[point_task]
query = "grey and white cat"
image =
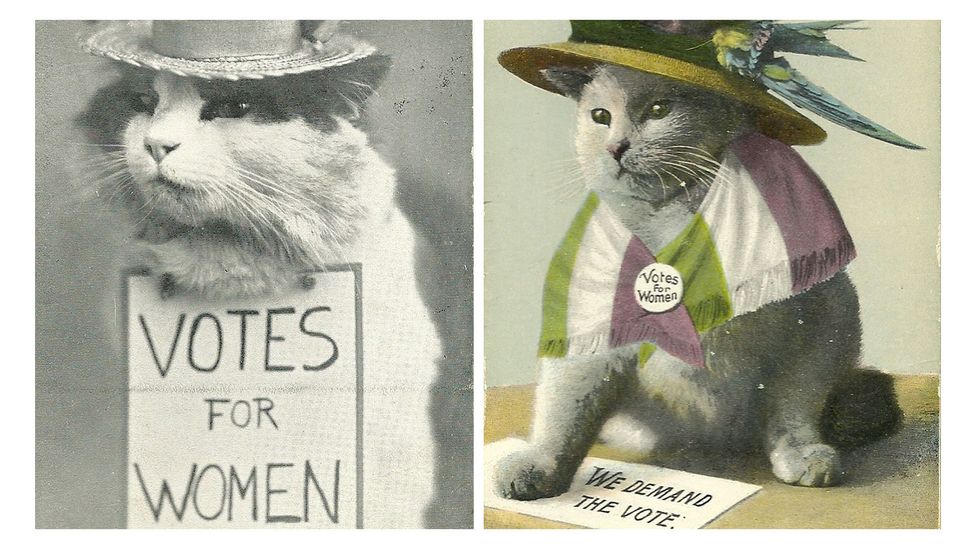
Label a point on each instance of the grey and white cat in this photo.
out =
(650, 147)
(234, 189)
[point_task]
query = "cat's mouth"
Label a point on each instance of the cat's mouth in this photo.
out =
(629, 177)
(170, 185)
(642, 187)
(182, 202)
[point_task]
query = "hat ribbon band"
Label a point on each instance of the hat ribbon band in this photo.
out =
(200, 40)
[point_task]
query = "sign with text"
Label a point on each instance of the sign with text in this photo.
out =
(615, 494)
(249, 413)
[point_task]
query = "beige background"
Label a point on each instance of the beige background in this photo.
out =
(889, 196)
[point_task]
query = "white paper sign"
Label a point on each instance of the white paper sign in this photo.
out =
(615, 494)
(246, 414)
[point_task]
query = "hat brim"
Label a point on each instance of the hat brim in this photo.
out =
(773, 117)
(130, 43)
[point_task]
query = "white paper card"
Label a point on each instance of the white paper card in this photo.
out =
(245, 414)
(615, 494)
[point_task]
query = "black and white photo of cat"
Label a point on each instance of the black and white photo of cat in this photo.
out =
(238, 187)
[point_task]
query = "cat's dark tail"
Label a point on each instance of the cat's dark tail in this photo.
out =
(862, 408)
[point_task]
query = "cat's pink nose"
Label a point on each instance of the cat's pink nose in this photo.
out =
(159, 148)
(618, 149)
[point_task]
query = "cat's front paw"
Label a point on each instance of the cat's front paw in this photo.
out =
(809, 465)
(528, 474)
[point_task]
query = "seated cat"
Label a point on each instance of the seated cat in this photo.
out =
(238, 188)
(655, 154)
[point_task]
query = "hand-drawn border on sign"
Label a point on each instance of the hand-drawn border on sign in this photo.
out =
(357, 270)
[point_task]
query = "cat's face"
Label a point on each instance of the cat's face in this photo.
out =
(267, 158)
(645, 136)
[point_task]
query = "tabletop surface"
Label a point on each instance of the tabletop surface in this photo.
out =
(892, 483)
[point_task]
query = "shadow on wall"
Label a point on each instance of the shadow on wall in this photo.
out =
(420, 120)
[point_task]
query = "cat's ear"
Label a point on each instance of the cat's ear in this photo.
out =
(368, 73)
(569, 81)
(345, 90)
(358, 81)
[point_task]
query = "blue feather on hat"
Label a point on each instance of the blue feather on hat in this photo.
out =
(748, 48)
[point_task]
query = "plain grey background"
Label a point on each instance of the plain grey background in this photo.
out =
(889, 196)
(420, 119)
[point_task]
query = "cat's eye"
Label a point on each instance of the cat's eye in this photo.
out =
(659, 109)
(601, 116)
(144, 102)
(229, 108)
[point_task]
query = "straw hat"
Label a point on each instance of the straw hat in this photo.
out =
(225, 49)
(682, 51)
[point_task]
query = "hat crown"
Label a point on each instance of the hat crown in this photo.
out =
(685, 51)
(688, 41)
(225, 39)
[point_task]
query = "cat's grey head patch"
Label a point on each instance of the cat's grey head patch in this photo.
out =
(649, 137)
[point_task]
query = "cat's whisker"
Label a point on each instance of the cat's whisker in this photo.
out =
(562, 163)
(98, 145)
(280, 208)
(354, 106)
(566, 185)
(716, 175)
(706, 173)
(359, 84)
(249, 201)
(106, 158)
(271, 206)
(697, 171)
(119, 181)
(94, 178)
(563, 180)
(284, 196)
(230, 196)
(119, 190)
(681, 182)
(698, 153)
(660, 180)
(695, 148)
(267, 183)
(694, 165)
(704, 167)
(565, 189)
(97, 171)
(564, 167)
(265, 231)
(700, 162)
(151, 203)
(683, 169)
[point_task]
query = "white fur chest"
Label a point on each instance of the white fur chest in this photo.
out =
(401, 357)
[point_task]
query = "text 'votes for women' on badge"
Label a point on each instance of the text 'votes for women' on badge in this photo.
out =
(658, 288)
